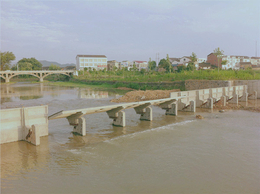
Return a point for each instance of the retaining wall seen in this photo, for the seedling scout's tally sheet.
(27, 123)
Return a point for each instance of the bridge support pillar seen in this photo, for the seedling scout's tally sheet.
(120, 120)
(41, 79)
(171, 107)
(7, 79)
(118, 116)
(209, 103)
(224, 100)
(145, 111)
(78, 122)
(234, 100)
(173, 110)
(80, 128)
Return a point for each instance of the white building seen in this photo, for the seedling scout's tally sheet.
(91, 61)
(233, 62)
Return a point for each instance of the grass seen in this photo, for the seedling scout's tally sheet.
(137, 76)
(80, 84)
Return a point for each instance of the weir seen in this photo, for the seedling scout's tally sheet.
(30, 123)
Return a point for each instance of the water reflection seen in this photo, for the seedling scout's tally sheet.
(92, 94)
(46, 93)
(22, 156)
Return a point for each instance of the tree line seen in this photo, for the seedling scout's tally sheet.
(25, 64)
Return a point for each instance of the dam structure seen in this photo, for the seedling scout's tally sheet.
(30, 123)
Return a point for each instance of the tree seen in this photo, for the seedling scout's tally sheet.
(181, 68)
(151, 65)
(36, 65)
(219, 54)
(166, 64)
(25, 66)
(6, 58)
(191, 64)
(54, 67)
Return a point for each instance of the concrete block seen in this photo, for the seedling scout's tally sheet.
(32, 134)
(224, 100)
(209, 103)
(120, 120)
(147, 115)
(193, 106)
(80, 128)
(173, 110)
(145, 111)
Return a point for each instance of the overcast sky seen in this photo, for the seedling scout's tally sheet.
(128, 30)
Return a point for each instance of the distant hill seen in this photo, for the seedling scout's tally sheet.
(48, 63)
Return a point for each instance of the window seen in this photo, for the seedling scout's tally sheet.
(103, 60)
(81, 60)
(86, 60)
(99, 60)
(95, 60)
(90, 60)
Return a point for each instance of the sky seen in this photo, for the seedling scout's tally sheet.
(128, 30)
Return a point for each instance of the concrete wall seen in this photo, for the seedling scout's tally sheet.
(16, 123)
(253, 85)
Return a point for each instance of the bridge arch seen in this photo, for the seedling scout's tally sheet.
(67, 74)
(24, 74)
(7, 75)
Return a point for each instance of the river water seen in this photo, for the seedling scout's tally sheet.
(219, 154)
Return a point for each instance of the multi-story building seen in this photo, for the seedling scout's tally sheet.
(231, 61)
(141, 64)
(112, 64)
(125, 64)
(255, 61)
(91, 61)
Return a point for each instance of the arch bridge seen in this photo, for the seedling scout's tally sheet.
(7, 75)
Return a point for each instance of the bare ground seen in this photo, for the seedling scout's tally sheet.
(139, 95)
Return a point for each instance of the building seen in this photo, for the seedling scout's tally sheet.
(141, 64)
(204, 66)
(232, 61)
(125, 64)
(255, 61)
(112, 65)
(213, 60)
(91, 61)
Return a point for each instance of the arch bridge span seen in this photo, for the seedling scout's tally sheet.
(7, 75)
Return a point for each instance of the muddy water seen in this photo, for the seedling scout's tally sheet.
(220, 154)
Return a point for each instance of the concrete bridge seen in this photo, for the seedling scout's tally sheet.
(7, 75)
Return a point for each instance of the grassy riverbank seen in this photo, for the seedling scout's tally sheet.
(153, 76)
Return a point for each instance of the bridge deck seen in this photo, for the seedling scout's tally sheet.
(92, 110)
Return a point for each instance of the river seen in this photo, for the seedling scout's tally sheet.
(171, 154)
